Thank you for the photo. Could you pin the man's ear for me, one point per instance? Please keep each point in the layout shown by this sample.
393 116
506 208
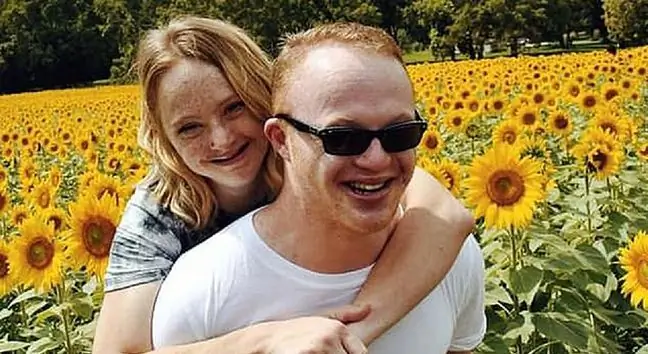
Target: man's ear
275 132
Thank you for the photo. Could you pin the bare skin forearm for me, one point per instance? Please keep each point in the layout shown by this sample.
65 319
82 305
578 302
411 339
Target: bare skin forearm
244 341
417 257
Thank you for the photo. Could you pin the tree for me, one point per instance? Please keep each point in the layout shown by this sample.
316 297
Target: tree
627 20
45 44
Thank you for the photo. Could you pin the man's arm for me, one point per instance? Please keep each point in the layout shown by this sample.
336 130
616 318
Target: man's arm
416 258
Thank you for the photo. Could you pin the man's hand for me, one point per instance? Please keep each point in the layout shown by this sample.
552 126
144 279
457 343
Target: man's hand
312 335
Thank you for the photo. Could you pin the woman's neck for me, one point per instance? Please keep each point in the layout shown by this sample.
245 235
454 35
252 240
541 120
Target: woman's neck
240 200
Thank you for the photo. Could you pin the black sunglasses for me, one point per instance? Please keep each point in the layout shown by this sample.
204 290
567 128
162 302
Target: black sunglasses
349 141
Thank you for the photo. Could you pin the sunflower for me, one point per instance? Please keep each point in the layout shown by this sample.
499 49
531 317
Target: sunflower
19 213
457 120
610 91
55 176
642 151
612 123
432 142
506 132
55 217
103 184
634 260
3 174
7 280
27 170
534 147
504 188
5 200
37 255
560 123
588 101
529 117
450 173
42 195
92 223
599 153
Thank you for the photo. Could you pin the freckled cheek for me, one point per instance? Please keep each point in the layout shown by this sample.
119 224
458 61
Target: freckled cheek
193 152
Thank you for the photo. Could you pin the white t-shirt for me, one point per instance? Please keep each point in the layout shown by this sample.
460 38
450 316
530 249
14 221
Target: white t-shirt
234 279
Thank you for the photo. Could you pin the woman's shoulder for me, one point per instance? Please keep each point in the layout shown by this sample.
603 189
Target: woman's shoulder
145 215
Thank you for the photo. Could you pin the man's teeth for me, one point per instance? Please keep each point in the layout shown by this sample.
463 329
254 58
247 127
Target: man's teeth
367 187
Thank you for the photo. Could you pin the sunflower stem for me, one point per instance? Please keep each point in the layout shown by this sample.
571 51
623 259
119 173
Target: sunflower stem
587 204
62 297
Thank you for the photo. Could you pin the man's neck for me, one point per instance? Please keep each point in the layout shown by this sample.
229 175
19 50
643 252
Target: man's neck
322 246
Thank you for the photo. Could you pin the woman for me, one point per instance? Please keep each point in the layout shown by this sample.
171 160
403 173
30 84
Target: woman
211 165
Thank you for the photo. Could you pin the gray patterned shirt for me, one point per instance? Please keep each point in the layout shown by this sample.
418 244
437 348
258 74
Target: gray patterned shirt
149 239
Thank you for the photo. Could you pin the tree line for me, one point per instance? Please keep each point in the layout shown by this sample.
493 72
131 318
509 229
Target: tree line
61 43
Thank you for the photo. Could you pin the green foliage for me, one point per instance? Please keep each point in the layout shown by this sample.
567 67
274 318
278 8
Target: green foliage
627 20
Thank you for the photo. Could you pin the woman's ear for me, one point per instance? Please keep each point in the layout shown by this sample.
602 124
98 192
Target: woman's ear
275 132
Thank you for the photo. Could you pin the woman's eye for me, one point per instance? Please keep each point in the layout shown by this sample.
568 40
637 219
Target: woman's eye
188 129
234 108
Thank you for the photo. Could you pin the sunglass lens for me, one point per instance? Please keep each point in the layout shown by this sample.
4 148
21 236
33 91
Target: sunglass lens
346 142
402 138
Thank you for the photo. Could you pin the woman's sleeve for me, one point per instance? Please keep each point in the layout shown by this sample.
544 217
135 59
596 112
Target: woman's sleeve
144 247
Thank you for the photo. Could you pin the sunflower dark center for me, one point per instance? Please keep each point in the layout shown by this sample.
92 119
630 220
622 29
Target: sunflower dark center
44 199
449 178
456 121
510 137
644 150
528 118
4 265
40 253
609 127
589 101
431 142
538 98
97 236
498 105
505 187
474 106
610 94
84 145
574 91
19 218
56 220
597 161
3 201
561 122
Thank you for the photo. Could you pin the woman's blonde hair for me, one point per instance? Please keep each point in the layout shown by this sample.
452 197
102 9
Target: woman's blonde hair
247 69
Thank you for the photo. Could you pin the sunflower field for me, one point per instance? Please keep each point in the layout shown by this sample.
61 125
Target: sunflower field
551 154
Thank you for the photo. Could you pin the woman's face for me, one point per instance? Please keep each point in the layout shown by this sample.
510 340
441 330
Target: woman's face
209 126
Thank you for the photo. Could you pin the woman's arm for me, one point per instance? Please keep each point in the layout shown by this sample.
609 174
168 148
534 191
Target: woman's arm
420 252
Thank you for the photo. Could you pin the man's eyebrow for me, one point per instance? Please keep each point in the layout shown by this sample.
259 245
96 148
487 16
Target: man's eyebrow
349 122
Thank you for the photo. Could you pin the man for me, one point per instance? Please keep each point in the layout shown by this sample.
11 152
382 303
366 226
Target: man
346 126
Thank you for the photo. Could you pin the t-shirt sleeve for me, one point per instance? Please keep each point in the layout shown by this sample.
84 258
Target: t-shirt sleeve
144 247
470 326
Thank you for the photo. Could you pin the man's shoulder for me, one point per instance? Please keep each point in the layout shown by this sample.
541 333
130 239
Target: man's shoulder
470 258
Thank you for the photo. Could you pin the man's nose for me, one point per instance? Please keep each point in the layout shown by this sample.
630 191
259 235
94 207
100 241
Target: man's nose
375 157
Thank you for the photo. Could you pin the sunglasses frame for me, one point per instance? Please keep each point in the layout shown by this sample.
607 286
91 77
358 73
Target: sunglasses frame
321 133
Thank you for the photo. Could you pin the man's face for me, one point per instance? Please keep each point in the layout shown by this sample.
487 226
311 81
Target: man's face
342 86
